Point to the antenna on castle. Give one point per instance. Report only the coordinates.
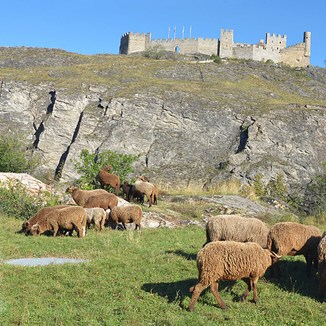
(183, 31)
(175, 30)
(190, 32)
(169, 33)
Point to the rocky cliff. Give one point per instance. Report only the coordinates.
(191, 122)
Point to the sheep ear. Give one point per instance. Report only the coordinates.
(36, 228)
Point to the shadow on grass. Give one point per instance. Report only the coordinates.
(178, 291)
(183, 254)
(294, 278)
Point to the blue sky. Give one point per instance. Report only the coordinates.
(91, 27)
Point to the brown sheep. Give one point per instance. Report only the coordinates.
(145, 188)
(106, 201)
(321, 250)
(237, 228)
(67, 218)
(81, 196)
(126, 214)
(40, 215)
(292, 239)
(230, 260)
(109, 179)
(155, 190)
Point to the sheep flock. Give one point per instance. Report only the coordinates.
(237, 247)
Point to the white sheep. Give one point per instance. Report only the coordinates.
(67, 218)
(321, 250)
(230, 260)
(126, 214)
(96, 216)
(292, 239)
(237, 228)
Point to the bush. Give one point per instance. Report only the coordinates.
(314, 201)
(92, 163)
(15, 201)
(13, 154)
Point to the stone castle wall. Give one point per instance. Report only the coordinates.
(273, 48)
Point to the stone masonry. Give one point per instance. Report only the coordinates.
(273, 48)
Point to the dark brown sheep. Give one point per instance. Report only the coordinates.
(132, 193)
(109, 179)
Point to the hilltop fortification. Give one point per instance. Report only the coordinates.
(273, 48)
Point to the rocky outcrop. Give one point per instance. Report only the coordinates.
(215, 121)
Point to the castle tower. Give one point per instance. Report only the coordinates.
(307, 42)
(134, 42)
(226, 43)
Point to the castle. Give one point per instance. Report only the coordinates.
(273, 48)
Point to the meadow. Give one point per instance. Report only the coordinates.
(139, 278)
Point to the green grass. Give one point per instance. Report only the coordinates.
(138, 278)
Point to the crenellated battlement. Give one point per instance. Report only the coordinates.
(273, 48)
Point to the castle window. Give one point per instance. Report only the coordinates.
(177, 49)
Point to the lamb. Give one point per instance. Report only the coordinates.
(145, 188)
(230, 260)
(109, 179)
(67, 218)
(126, 214)
(40, 215)
(321, 250)
(96, 216)
(292, 239)
(81, 196)
(105, 201)
(237, 228)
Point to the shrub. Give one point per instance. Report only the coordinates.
(92, 163)
(15, 201)
(14, 156)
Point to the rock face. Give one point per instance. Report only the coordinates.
(190, 123)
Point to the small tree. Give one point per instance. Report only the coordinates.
(92, 163)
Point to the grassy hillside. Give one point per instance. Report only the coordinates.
(234, 82)
(138, 278)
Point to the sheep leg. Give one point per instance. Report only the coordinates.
(55, 230)
(309, 265)
(254, 286)
(214, 289)
(196, 291)
(124, 225)
(245, 294)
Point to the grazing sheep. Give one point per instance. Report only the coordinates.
(67, 218)
(105, 201)
(130, 191)
(126, 214)
(230, 260)
(321, 250)
(109, 179)
(292, 239)
(95, 216)
(40, 215)
(155, 190)
(81, 196)
(145, 188)
(237, 228)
